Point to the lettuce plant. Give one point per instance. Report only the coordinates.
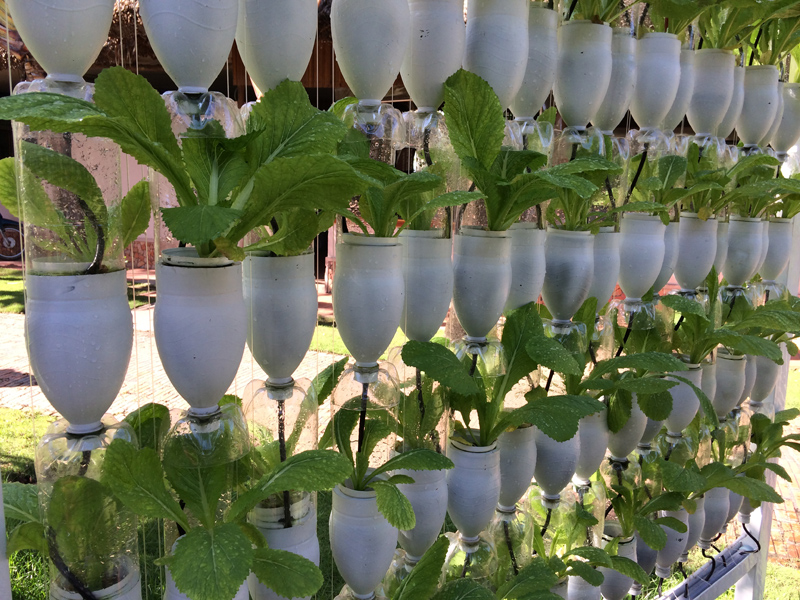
(215, 556)
(283, 168)
(510, 181)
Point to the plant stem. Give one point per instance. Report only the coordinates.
(287, 511)
(510, 548)
(62, 568)
(362, 418)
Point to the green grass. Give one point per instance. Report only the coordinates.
(327, 339)
(20, 431)
(793, 389)
(13, 301)
(11, 298)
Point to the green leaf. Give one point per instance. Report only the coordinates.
(558, 416)
(394, 505)
(291, 126)
(440, 364)
(308, 471)
(424, 577)
(705, 403)
(27, 536)
(619, 410)
(132, 101)
(510, 163)
(596, 556)
(456, 198)
(137, 479)
(753, 489)
(198, 225)
(229, 249)
(418, 459)
(586, 572)
(552, 355)
(630, 569)
(209, 564)
(215, 170)
(656, 406)
(646, 385)
(670, 169)
(522, 325)
(21, 502)
(474, 116)
(135, 213)
(535, 577)
(151, 423)
(67, 173)
(8, 186)
(685, 306)
(651, 534)
(321, 181)
(463, 589)
(655, 362)
(325, 381)
(672, 523)
(286, 573)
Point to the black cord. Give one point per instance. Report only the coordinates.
(639, 169)
(610, 193)
(61, 566)
(100, 242)
(678, 324)
(426, 146)
(713, 564)
(420, 398)
(510, 548)
(752, 537)
(571, 10)
(592, 356)
(722, 556)
(625, 337)
(474, 365)
(755, 45)
(660, 584)
(467, 561)
(547, 521)
(669, 452)
(549, 381)
(362, 419)
(86, 459)
(287, 510)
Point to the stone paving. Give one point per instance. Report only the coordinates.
(146, 382)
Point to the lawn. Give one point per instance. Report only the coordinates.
(327, 339)
(12, 300)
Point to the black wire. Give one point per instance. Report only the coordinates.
(362, 419)
(678, 324)
(592, 356)
(755, 45)
(660, 584)
(426, 146)
(100, 242)
(510, 548)
(86, 459)
(549, 381)
(467, 561)
(287, 510)
(61, 566)
(420, 398)
(547, 521)
(474, 365)
(571, 10)
(713, 564)
(722, 556)
(610, 193)
(625, 337)
(752, 537)
(639, 170)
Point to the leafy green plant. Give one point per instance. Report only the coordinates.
(599, 11)
(468, 389)
(776, 38)
(224, 187)
(636, 513)
(697, 335)
(567, 556)
(675, 16)
(85, 531)
(98, 230)
(214, 557)
(510, 181)
(729, 25)
(151, 424)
